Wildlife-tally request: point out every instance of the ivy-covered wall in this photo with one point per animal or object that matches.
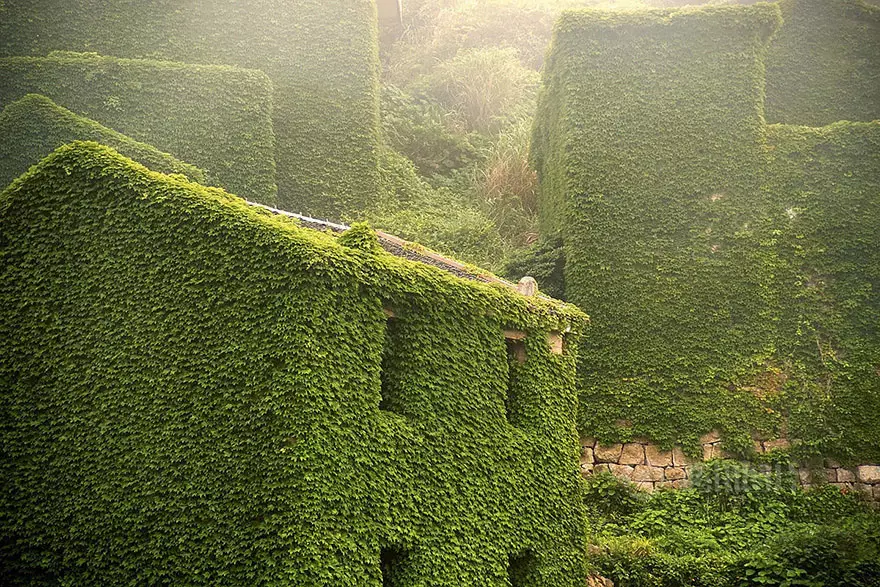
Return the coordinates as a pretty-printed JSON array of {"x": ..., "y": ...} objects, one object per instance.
[
  {"x": 33, "y": 127},
  {"x": 825, "y": 184},
  {"x": 730, "y": 267},
  {"x": 648, "y": 146},
  {"x": 198, "y": 391},
  {"x": 322, "y": 57},
  {"x": 217, "y": 118},
  {"x": 824, "y": 63}
]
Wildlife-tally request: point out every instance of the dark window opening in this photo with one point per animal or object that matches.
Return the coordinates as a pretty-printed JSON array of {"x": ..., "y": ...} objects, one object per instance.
[
  {"x": 392, "y": 560},
  {"x": 516, "y": 357},
  {"x": 390, "y": 401},
  {"x": 516, "y": 345},
  {"x": 516, "y": 351},
  {"x": 521, "y": 569}
]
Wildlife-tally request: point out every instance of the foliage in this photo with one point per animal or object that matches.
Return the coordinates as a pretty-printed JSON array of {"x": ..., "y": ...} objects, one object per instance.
[
  {"x": 436, "y": 217},
  {"x": 730, "y": 484},
  {"x": 507, "y": 185},
  {"x": 822, "y": 65},
  {"x": 215, "y": 117},
  {"x": 417, "y": 129},
  {"x": 611, "y": 496},
  {"x": 732, "y": 529},
  {"x": 545, "y": 261},
  {"x": 191, "y": 390},
  {"x": 321, "y": 55},
  {"x": 481, "y": 87},
  {"x": 438, "y": 29},
  {"x": 34, "y": 126}
]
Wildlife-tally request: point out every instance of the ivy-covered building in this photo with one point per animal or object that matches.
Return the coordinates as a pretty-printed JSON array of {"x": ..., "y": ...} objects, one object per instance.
[
  {"x": 199, "y": 390},
  {"x": 320, "y": 55},
  {"x": 730, "y": 267}
]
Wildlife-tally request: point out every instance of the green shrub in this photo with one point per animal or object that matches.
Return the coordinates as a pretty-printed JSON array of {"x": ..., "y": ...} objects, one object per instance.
[
  {"x": 507, "y": 185},
  {"x": 34, "y": 126},
  {"x": 844, "y": 552},
  {"x": 731, "y": 484},
  {"x": 435, "y": 217},
  {"x": 217, "y": 118},
  {"x": 416, "y": 129},
  {"x": 825, "y": 504},
  {"x": 610, "y": 495},
  {"x": 481, "y": 87},
  {"x": 734, "y": 529}
]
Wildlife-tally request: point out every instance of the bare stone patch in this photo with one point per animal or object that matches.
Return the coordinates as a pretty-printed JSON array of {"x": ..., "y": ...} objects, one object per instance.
[
  {"x": 657, "y": 457},
  {"x": 632, "y": 454},
  {"x": 869, "y": 473},
  {"x": 646, "y": 486},
  {"x": 624, "y": 471},
  {"x": 675, "y": 473},
  {"x": 587, "y": 456},
  {"x": 679, "y": 459},
  {"x": 845, "y": 476},
  {"x": 647, "y": 473},
  {"x": 608, "y": 454}
]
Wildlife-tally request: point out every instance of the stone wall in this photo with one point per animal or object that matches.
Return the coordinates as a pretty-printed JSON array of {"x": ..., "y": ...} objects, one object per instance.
[{"x": 649, "y": 467}]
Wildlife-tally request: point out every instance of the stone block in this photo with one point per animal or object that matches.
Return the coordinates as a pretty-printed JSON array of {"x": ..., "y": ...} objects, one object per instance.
[
  {"x": 877, "y": 493},
  {"x": 647, "y": 473},
  {"x": 844, "y": 487},
  {"x": 608, "y": 454},
  {"x": 679, "y": 459},
  {"x": 664, "y": 485},
  {"x": 681, "y": 483},
  {"x": 831, "y": 475},
  {"x": 586, "y": 469},
  {"x": 805, "y": 476},
  {"x": 632, "y": 454},
  {"x": 587, "y": 456},
  {"x": 625, "y": 471},
  {"x": 657, "y": 457},
  {"x": 845, "y": 476},
  {"x": 864, "y": 490},
  {"x": 675, "y": 473},
  {"x": 602, "y": 468},
  {"x": 646, "y": 486},
  {"x": 711, "y": 451},
  {"x": 710, "y": 437},
  {"x": 832, "y": 464},
  {"x": 599, "y": 581},
  {"x": 778, "y": 444},
  {"x": 588, "y": 442},
  {"x": 868, "y": 473}
]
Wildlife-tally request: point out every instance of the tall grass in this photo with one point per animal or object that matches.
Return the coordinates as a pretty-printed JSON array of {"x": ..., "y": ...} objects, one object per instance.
[
  {"x": 507, "y": 185},
  {"x": 482, "y": 88}
]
